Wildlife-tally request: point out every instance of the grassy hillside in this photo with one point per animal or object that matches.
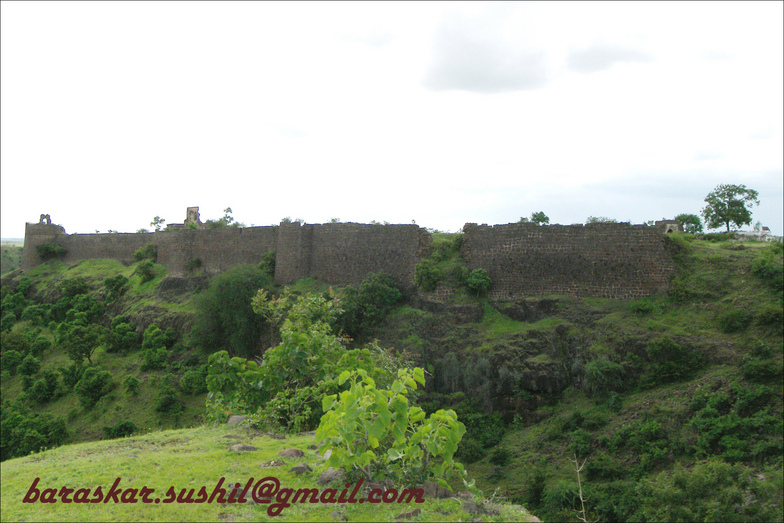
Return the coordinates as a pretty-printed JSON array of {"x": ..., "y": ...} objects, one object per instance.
[
  {"x": 672, "y": 403},
  {"x": 192, "y": 458}
]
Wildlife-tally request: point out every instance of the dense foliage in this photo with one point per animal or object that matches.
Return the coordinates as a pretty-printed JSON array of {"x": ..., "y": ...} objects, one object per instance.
[{"x": 225, "y": 319}]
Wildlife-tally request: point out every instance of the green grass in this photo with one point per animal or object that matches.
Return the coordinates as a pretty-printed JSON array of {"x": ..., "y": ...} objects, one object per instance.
[{"x": 190, "y": 459}]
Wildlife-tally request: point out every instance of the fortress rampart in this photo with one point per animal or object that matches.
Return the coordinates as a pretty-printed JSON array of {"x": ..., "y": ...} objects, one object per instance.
[
  {"x": 602, "y": 260},
  {"x": 596, "y": 260}
]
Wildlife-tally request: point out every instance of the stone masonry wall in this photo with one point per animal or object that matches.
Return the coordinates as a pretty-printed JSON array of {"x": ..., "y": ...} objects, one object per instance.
[
  {"x": 345, "y": 253},
  {"x": 596, "y": 260},
  {"x": 607, "y": 260}
]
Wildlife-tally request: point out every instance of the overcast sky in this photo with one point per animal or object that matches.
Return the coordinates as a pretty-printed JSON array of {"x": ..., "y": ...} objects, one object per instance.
[{"x": 443, "y": 113}]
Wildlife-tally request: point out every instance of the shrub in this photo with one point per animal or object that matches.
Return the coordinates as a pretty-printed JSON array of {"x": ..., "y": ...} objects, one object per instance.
[
  {"x": 376, "y": 433},
  {"x": 426, "y": 275},
  {"x": 772, "y": 316},
  {"x": 225, "y": 319},
  {"x": 36, "y": 314},
  {"x": 194, "y": 381},
  {"x": 734, "y": 321},
  {"x": 603, "y": 377},
  {"x": 72, "y": 374},
  {"x": 267, "y": 264},
  {"x": 131, "y": 384},
  {"x": 169, "y": 403},
  {"x": 470, "y": 450},
  {"x": 670, "y": 362},
  {"x": 194, "y": 264},
  {"x": 120, "y": 430},
  {"x": 10, "y": 360},
  {"x": 148, "y": 252},
  {"x": 46, "y": 388},
  {"x": 39, "y": 346},
  {"x": 93, "y": 385},
  {"x": 478, "y": 281},
  {"x": 364, "y": 308},
  {"x": 50, "y": 251},
  {"x": 146, "y": 270},
  {"x": 122, "y": 336},
  {"x": 30, "y": 365},
  {"x": 115, "y": 286},
  {"x": 500, "y": 457},
  {"x": 73, "y": 287},
  {"x": 25, "y": 431}
]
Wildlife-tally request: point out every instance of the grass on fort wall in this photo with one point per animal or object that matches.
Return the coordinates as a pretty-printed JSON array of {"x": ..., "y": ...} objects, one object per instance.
[{"x": 190, "y": 459}]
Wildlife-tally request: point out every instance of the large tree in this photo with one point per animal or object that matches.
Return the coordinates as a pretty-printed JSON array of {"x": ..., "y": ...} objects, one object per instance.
[{"x": 729, "y": 204}]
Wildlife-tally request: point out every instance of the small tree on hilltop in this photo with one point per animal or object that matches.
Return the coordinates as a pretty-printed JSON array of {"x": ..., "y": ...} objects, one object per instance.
[
  {"x": 729, "y": 204},
  {"x": 157, "y": 222},
  {"x": 690, "y": 223},
  {"x": 540, "y": 218}
]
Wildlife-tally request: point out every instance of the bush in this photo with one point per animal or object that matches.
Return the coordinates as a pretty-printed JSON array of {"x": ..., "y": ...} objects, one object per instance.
[
  {"x": 146, "y": 270},
  {"x": 772, "y": 316},
  {"x": 194, "y": 381},
  {"x": 36, "y": 314},
  {"x": 603, "y": 377},
  {"x": 131, "y": 384},
  {"x": 26, "y": 431},
  {"x": 120, "y": 430},
  {"x": 500, "y": 457},
  {"x": 267, "y": 264},
  {"x": 50, "y": 251},
  {"x": 470, "y": 450},
  {"x": 122, "y": 336},
  {"x": 364, "y": 308},
  {"x": 116, "y": 286},
  {"x": 39, "y": 346},
  {"x": 73, "y": 287},
  {"x": 46, "y": 388},
  {"x": 194, "y": 264},
  {"x": 148, "y": 252},
  {"x": 478, "y": 281},
  {"x": 426, "y": 275},
  {"x": 10, "y": 361},
  {"x": 72, "y": 374},
  {"x": 94, "y": 384},
  {"x": 734, "y": 321},
  {"x": 225, "y": 319},
  {"x": 670, "y": 362},
  {"x": 30, "y": 365},
  {"x": 364, "y": 422},
  {"x": 169, "y": 403}
]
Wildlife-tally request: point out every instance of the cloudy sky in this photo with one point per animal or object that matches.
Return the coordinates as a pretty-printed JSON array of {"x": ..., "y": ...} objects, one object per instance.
[{"x": 443, "y": 113}]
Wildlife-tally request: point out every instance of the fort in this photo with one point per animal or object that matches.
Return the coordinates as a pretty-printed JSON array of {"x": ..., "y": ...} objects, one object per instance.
[{"x": 603, "y": 260}]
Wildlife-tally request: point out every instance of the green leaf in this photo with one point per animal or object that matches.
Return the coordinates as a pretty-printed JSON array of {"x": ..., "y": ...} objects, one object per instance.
[
  {"x": 343, "y": 377},
  {"x": 419, "y": 375}
]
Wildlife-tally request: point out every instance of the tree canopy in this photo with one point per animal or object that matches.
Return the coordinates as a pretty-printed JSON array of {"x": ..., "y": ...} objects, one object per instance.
[
  {"x": 690, "y": 223},
  {"x": 729, "y": 204}
]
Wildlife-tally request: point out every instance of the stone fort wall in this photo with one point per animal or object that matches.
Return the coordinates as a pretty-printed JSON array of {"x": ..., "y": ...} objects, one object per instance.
[
  {"x": 596, "y": 260},
  {"x": 603, "y": 260}
]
